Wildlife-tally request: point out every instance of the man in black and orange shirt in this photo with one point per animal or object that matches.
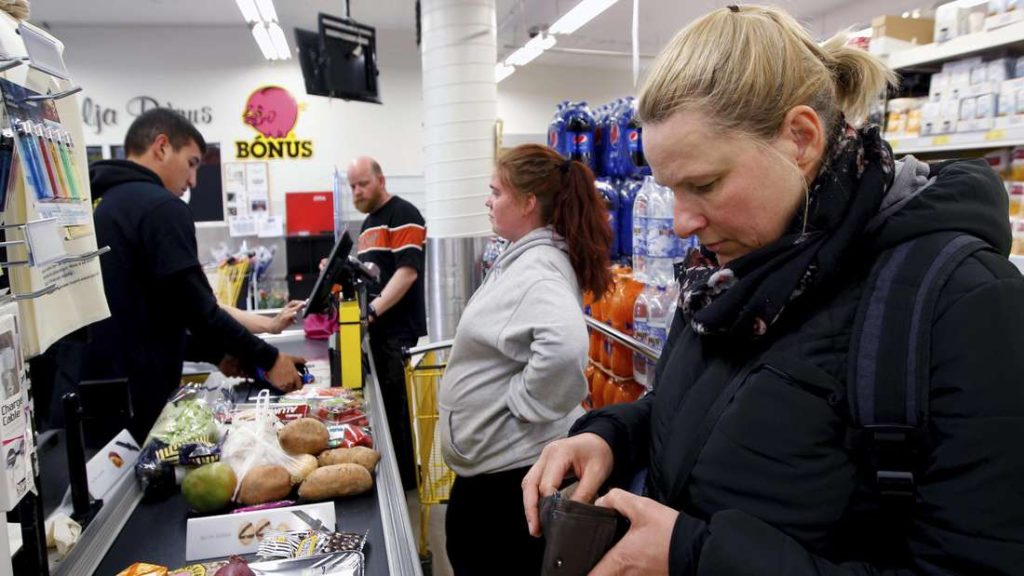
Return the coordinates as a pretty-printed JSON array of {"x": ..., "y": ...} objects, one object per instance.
[{"x": 393, "y": 237}]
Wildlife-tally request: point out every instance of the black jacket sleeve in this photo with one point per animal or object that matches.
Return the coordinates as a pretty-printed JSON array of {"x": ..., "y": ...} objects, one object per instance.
[
  {"x": 209, "y": 323},
  {"x": 967, "y": 518}
]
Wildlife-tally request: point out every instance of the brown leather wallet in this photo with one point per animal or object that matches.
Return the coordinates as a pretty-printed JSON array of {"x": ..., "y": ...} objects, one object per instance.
[{"x": 577, "y": 535}]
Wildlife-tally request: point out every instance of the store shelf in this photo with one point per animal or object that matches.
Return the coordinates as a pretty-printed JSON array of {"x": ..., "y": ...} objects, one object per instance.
[
  {"x": 1018, "y": 261},
  {"x": 624, "y": 339},
  {"x": 998, "y": 138},
  {"x": 957, "y": 47}
]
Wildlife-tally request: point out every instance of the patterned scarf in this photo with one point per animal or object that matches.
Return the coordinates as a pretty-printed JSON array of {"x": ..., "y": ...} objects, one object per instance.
[{"x": 748, "y": 295}]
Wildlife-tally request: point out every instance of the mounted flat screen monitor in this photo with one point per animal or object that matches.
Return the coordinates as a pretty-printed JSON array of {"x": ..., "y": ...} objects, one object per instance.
[
  {"x": 320, "y": 298},
  {"x": 339, "y": 60}
]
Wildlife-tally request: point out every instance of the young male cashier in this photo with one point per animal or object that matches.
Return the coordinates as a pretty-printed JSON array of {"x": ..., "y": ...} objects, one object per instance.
[{"x": 155, "y": 286}]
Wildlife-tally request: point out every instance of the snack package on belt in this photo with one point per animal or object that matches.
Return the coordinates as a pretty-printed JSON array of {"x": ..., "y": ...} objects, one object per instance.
[
  {"x": 348, "y": 436},
  {"x": 204, "y": 569},
  {"x": 143, "y": 569},
  {"x": 345, "y": 409},
  {"x": 303, "y": 543},
  {"x": 340, "y": 564}
]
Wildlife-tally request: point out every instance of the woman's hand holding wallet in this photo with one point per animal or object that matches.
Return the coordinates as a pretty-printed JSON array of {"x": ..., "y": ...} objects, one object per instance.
[{"x": 587, "y": 456}]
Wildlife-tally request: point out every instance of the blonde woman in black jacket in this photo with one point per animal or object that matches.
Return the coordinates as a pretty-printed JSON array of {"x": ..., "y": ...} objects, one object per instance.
[{"x": 750, "y": 436}]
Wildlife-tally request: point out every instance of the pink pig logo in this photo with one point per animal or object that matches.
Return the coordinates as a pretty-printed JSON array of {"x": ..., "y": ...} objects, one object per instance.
[{"x": 272, "y": 111}]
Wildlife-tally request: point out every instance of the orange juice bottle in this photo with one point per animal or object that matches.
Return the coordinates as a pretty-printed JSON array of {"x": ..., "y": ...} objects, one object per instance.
[
  {"x": 609, "y": 304},
  {"x": 628, "y": 391},
  {"x": 622, "y": 320},
  {"x": 611, "y": 391},
  {"x": 596, "y": 339},
  {"x": 597, "y": 388}
]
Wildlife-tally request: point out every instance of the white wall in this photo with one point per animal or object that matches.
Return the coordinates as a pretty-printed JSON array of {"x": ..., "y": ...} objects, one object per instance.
[{"x": 219, "y": 67}]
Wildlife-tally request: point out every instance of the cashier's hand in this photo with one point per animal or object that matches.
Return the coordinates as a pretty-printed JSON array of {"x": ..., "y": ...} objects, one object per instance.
[
  {"x": 644, "y": 549},
  {"x": 286, "y": 316},
  {"x": 284, "y": 375}
]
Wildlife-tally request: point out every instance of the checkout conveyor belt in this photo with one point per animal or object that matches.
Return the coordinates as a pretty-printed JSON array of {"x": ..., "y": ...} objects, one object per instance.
[{"x": 154, "y": 531}]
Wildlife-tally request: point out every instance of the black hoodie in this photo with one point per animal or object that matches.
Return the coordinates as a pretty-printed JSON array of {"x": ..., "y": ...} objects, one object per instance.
[{"x": 156, "y": 291}]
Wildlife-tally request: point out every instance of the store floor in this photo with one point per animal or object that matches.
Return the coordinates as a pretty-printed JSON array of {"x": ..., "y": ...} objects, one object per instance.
[{"x": 435, "y": 532}]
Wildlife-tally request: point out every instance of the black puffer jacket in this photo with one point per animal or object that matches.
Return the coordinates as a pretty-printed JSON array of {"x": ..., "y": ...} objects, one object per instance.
[{"x": 775, "y": 490}]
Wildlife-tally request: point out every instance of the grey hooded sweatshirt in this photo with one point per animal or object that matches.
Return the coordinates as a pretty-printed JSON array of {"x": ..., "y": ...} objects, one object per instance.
[{"x": 514, "y": 381}]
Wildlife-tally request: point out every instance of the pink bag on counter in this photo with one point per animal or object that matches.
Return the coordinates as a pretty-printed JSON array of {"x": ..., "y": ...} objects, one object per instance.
[{"x": 320, "y": 326}]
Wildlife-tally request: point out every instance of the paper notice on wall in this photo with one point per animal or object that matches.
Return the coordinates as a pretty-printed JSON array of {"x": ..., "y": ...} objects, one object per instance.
[
  {"x": 257, "y": 188},
  {"x": 257, "y": 185},
  {"x": 15, "y": 434},
  {"x": 270, "y": 227},
  {"x": 242, "y": 226},
  {"x": 234, "y": 178}
]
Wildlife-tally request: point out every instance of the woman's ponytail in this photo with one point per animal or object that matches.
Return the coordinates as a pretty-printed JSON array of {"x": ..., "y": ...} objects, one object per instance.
[{"x": 579, "y": 215}]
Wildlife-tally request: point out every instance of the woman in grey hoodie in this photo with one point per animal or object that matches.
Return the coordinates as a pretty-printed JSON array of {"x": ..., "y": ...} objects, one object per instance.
[{"x": 515, "y": 380}]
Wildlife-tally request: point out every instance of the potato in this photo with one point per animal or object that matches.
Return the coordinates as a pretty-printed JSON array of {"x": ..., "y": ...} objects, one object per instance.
[
  {"x": 304, "y": 436},
  {"x": 334, "y": 481},
  {"x": 365, "y": 457},
  {"x": 302, "y": 466},
  {"x": 264, "y": 484}
]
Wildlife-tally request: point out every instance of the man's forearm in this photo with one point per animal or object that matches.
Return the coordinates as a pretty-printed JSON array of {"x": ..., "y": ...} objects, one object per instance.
[
  {"x": 395, "y": 290},
  {"x": 253, "y": 322}
]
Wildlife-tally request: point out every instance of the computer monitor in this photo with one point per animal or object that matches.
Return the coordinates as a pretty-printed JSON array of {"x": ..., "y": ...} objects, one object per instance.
[
  {"x": 340, "y": 59},
  {"x": 320, "y": 297},
  {"x": 308, "y": 44}
]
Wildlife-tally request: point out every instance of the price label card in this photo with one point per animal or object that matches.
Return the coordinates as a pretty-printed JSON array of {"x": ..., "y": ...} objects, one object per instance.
[
  {"x": 993, "y": 135},
  {"x": 940, "y": 140}
]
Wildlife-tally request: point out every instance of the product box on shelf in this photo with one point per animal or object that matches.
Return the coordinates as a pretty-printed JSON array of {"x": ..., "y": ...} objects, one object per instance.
[
  {"x": 938, "y": 126},
  {"x": 950, "y": 22},
  {"x": 1006, "y": 103},
  {"x": 1009, "y": 121},
  {"x": 985, "y": 107},
  {"x": 15, "y": 433},
  {"x": 979, "y": 74},
  {"x": 227, "y": 534},
  {"x": 1000, "y": 69},
  {"x": 999, "y": 160},
  {"x": 968, "y": 108},
  {"x": 977, "y": 125},
  {"x": 1003, "y": 19},
  {"x": 915, "y": 30}
]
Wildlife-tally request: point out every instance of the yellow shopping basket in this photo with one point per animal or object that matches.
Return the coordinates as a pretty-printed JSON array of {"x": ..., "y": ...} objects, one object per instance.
[
  {"x": 230, "y": 277},
  {"x": 423, "y": 376}
]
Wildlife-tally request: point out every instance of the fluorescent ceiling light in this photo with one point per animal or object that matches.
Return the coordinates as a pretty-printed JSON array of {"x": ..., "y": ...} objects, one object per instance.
[
  {"x": 534, "y": 48},
  {"x": 248, "y": 10},
  {"x": 267, "y": 10},
  {"x": 279, "y": 41},
  {"x": 502, "y": 71},
  {"x": 259, "y": 32},
  {"x": 582, "y": 13}
]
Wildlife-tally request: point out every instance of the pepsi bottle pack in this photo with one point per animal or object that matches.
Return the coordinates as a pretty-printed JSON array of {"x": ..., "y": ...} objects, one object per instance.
[
  {"x": 571, "y": 132},
  {"x": 610, "y": 193},
  {"x": 556, "y": 131}
]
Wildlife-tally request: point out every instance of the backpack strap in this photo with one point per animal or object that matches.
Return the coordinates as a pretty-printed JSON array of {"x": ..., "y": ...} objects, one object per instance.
[{"x": 889, "y": 362}]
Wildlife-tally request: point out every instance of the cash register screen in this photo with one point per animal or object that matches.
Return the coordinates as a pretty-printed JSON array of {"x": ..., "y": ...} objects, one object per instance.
[{"x": 320, "y": 298}]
